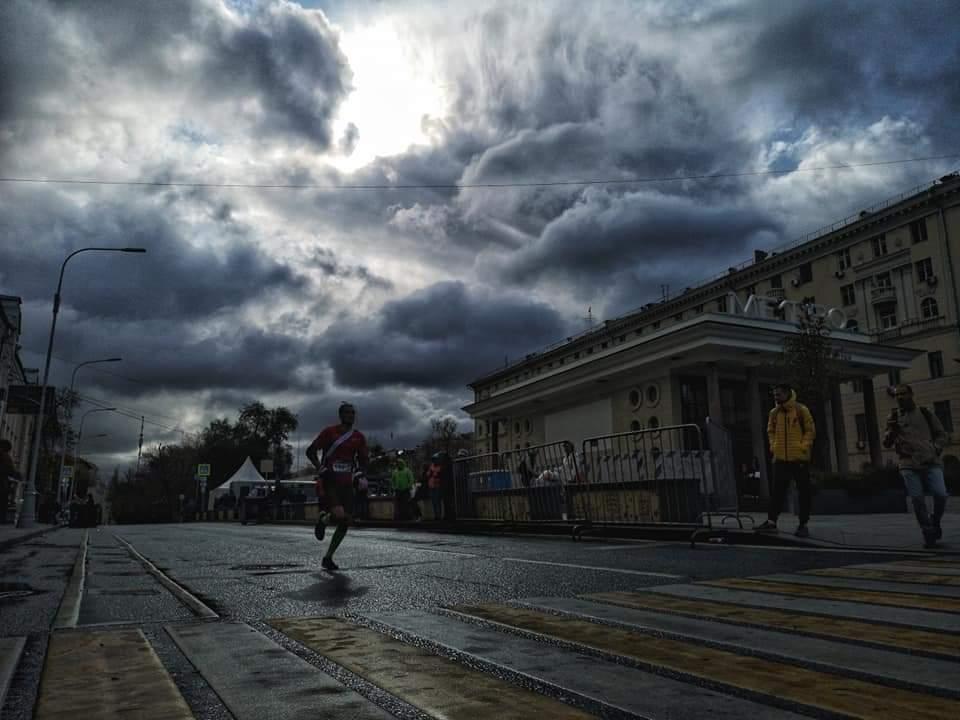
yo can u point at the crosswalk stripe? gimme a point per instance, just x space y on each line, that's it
254 676
436 685
891 575
907 617
829 655
856 583
106 675
625 688
830 627
903 600
811 688
909 566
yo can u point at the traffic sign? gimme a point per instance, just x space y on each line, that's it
203 469
67 472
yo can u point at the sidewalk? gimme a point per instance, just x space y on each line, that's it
10 535
896 530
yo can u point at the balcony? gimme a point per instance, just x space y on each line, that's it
909 328
776 294
883 294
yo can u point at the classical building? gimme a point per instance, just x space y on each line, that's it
886 278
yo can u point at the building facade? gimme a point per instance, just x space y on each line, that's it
889 272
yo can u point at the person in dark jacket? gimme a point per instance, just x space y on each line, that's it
919 438
8 472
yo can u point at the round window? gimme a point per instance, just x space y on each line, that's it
635 425
636 398
653 423
527 426
653 395
480 429
516 428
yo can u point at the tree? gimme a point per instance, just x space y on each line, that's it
809 365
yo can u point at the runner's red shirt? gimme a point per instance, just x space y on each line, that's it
340 463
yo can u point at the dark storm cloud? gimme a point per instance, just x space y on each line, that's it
325 260
177 279
441 336
278 67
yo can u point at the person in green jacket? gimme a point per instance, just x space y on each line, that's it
401 480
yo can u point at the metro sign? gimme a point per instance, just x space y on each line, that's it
764 308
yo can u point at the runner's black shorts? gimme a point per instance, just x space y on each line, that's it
338 494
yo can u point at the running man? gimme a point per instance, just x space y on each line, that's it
344 451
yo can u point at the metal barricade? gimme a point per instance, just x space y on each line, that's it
656 476
724 494
542 478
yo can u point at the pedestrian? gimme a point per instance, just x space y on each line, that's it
918 438
791 431
401 480
8 475
344 451
446 483
434 482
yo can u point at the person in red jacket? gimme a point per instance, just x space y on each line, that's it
337 453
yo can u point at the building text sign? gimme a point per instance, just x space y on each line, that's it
765 308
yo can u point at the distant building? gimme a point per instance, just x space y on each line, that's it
889 272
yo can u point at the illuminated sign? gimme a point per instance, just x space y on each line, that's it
765 308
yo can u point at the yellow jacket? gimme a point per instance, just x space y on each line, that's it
791 431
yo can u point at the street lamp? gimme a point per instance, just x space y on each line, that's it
28 509
76 454
73 381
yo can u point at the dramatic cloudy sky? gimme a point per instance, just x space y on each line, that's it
396 298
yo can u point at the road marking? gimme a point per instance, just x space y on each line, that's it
902 600
69 611
829 627
437 686
441 552
623 688
941 569
769 678
10 651
197 607
870 663
634 546
106 675
890 575
859 583
257 678
593 567
924 619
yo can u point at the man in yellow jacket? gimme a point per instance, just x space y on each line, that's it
791 431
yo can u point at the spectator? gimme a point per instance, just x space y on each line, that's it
918 438
434 482
791 431
401 480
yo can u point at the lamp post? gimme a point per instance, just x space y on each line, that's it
28 509
79 440
73 381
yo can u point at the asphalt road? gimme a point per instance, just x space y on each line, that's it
216 597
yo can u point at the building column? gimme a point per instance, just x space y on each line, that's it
757 429
839 430
873 428
714 406
829 436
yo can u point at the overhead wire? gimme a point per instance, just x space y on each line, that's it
462 186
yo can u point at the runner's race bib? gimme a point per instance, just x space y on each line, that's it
342 467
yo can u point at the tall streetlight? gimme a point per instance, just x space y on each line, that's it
73 382
28 509
79 440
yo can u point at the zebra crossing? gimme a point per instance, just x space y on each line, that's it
868 641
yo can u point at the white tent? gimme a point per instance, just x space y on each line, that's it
247 479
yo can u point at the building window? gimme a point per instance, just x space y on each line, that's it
527 426
849 295
861 421
929 309
576 356
698 309
924 269
751 290
604 346
776 281
879 244
887 315
635 398
653 423
623 338
805 273
516 428
852 326
843 259
480 429
635 425
639 331
935 360
893 378
882 280
918 231
856 385
656 325
722 304
678 317
941 408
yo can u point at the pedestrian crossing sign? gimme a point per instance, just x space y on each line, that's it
203 469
